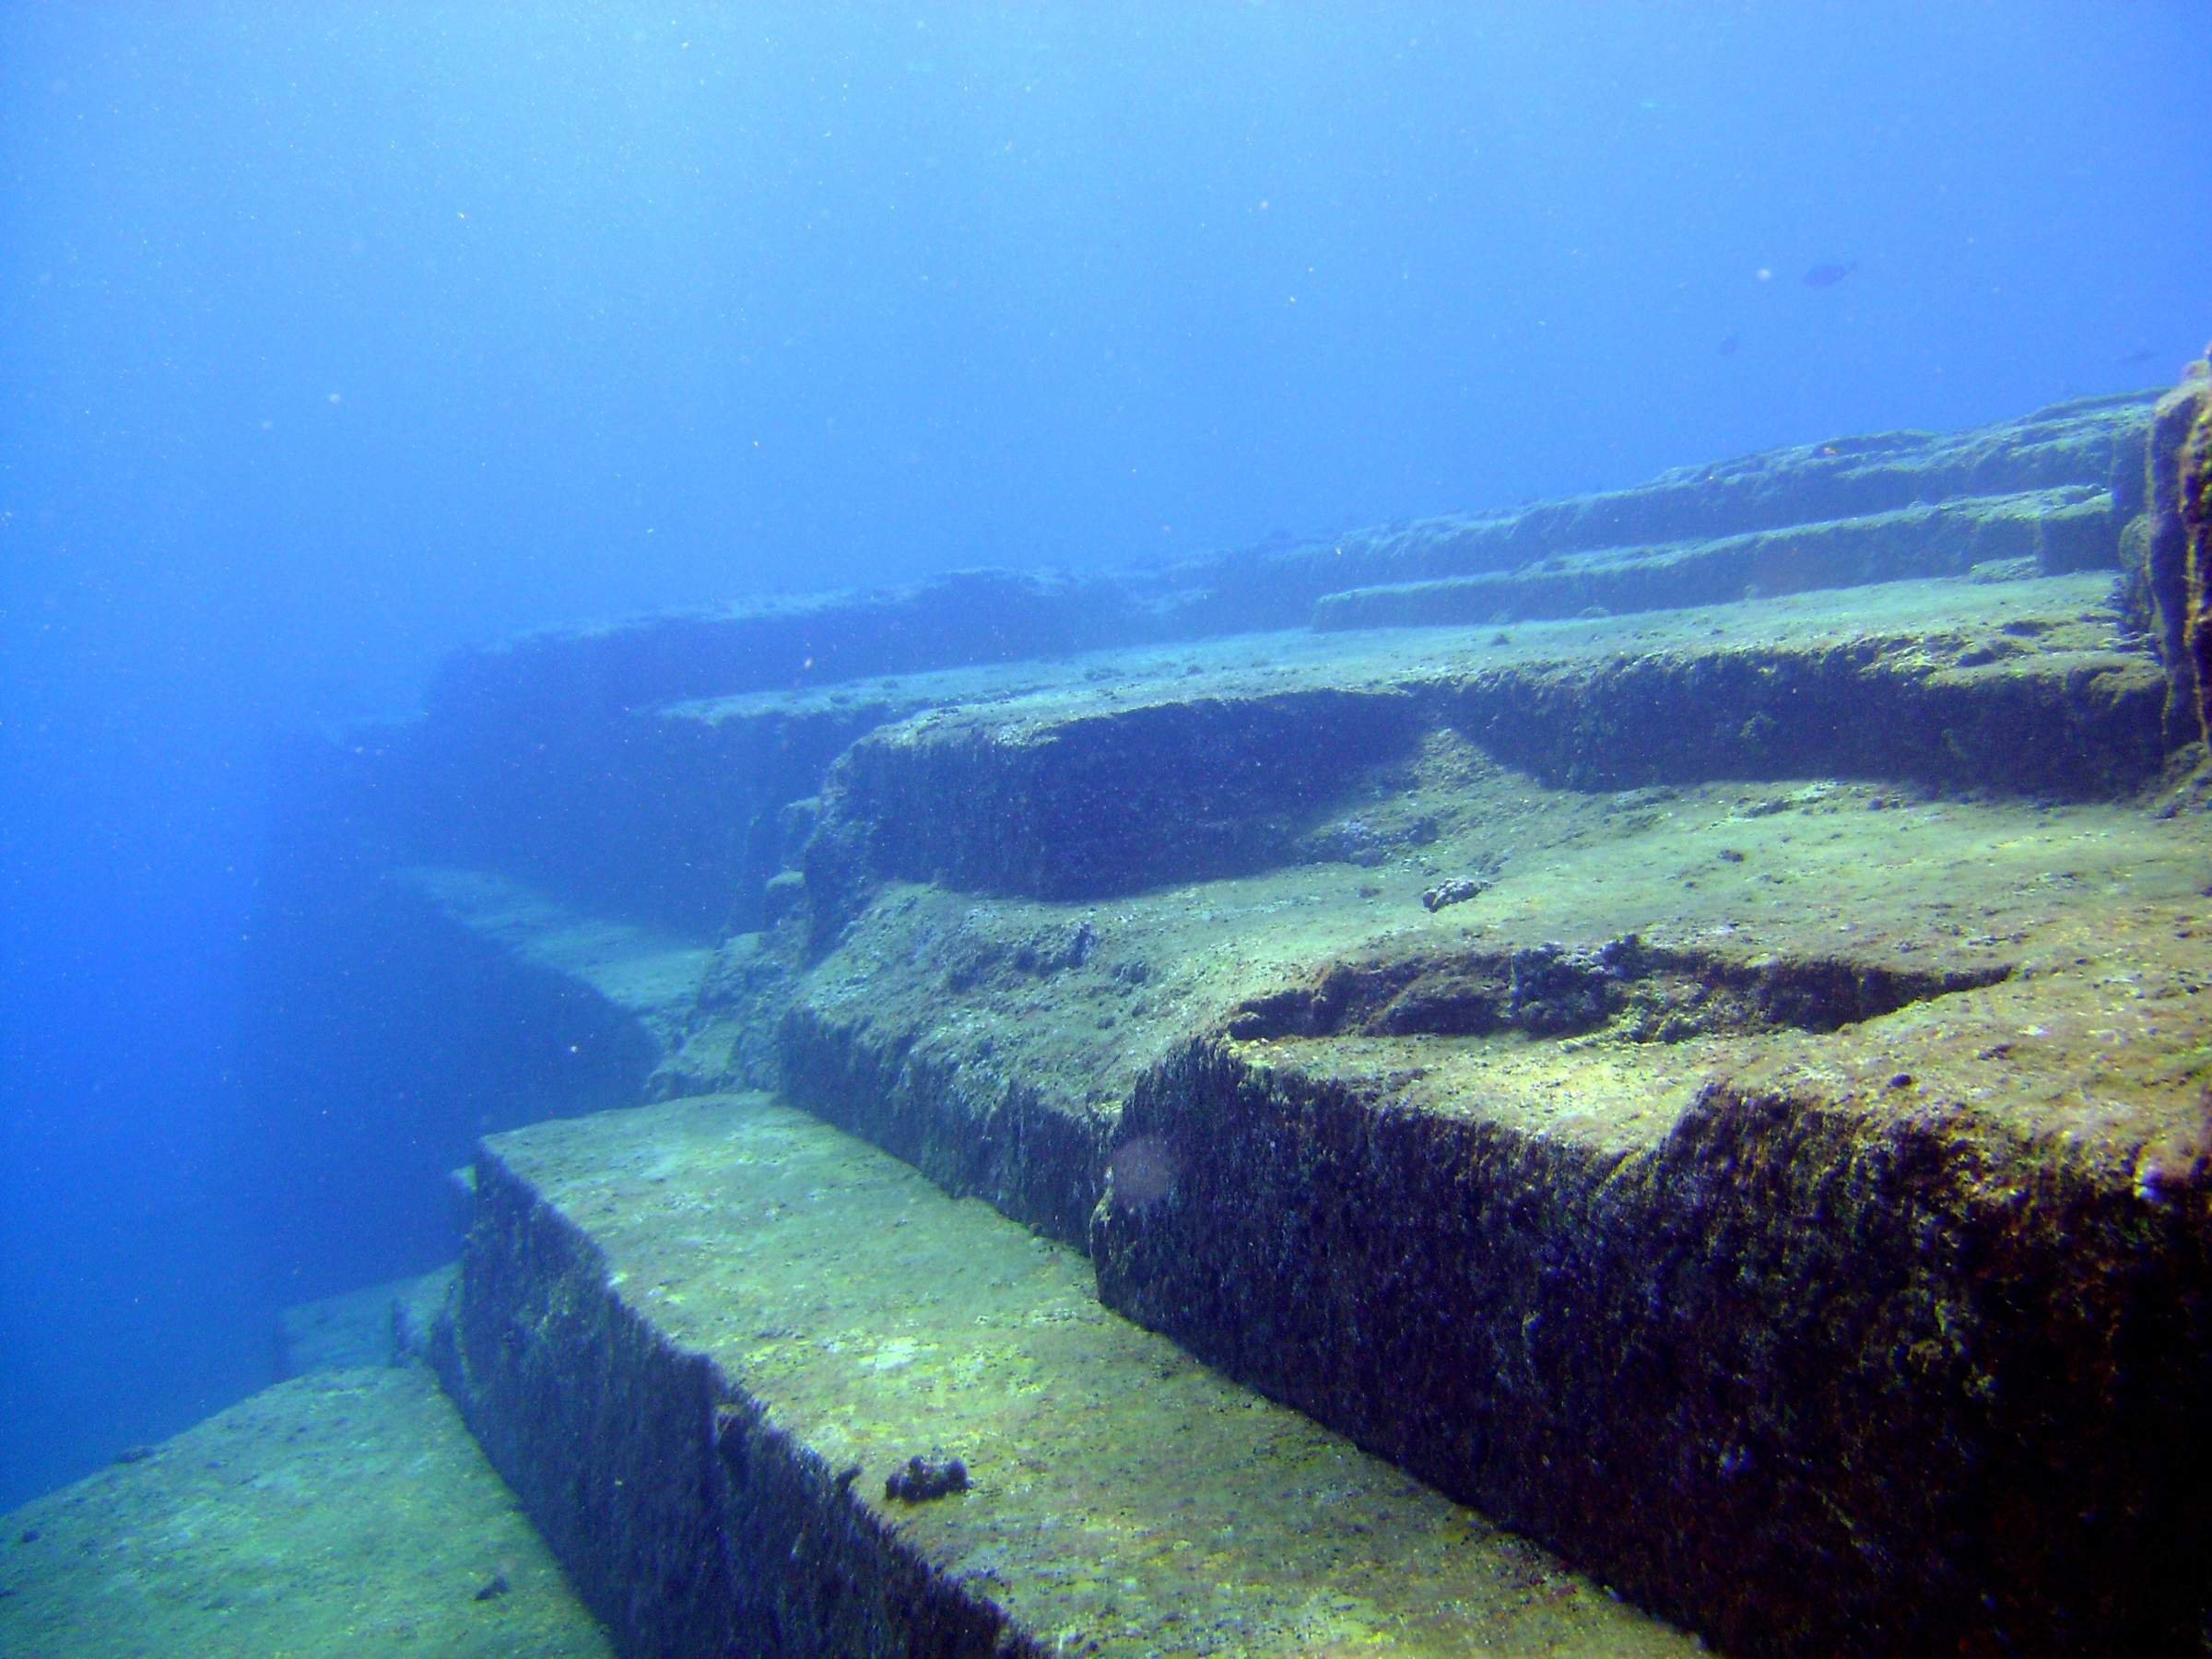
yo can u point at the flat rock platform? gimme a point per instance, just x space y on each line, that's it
714 1330
346 1512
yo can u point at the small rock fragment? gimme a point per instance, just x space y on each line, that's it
923 1479
1457 891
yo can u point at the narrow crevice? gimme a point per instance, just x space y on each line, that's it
1638 992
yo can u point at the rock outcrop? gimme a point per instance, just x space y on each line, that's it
2168 552
1670 1017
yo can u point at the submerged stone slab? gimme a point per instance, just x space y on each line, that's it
706 1339
548 758
1815 1376
1369 1004
2168 552
2050 532
343 1513
559 677
1176 772
2093 445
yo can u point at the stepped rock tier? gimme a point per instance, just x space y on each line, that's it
1630 1071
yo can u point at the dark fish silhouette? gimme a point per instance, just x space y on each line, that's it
2137 357
1828 275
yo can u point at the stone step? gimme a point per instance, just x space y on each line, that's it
1794 1202
706 1340
550 756
1722 1089
556 678
346 1512
1215 767
2046 532
1533 1134
2093 445
377 1324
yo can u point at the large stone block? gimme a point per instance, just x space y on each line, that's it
709 1340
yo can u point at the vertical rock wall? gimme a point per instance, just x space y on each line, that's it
2168 553
2195 507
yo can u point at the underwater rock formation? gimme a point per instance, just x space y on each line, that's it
1785 1191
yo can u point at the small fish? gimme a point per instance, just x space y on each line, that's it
1731 346
2137 357
1828 275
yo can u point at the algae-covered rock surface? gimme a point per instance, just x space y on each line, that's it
1675 1019
1817 1163
343 1513
1718 1091
709 1337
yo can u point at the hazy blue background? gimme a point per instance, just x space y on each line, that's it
333 335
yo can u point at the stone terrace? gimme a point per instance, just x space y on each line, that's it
1673 1019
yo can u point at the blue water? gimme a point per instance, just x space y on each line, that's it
335 335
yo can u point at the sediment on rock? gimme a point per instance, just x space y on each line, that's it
565 676
1098 804
2095 444
2195 504
1715 1085
1643 992
1861 710
563 759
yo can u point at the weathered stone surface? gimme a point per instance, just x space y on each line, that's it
1653 995
2054 531
644 766
651 977
1820 1378
562 677
1032 800
383 1324
2095 444
703 1337
367 1069
343 1513
1170 774
1852 1153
